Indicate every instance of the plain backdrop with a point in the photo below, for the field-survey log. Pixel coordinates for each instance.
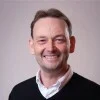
(16, 62)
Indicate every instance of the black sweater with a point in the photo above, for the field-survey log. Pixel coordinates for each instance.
(78, 88)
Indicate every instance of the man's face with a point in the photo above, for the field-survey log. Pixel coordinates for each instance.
(50, 43)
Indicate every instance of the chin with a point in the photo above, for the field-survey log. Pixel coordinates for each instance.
(51, 67)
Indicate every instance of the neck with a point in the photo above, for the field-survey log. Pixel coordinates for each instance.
(48, 79)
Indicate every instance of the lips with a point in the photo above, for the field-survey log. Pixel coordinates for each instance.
(51, 57)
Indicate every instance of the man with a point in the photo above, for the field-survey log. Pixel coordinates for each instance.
(51, 42)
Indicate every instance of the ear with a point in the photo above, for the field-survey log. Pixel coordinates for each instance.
(72, 44)
(31, 46)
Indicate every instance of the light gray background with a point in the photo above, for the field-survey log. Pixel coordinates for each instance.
(17, 64)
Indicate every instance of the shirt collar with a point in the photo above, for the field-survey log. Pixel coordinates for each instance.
(61, 81)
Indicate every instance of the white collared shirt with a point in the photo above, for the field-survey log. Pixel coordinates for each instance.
(49, 92)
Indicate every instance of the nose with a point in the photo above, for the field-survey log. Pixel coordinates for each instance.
(51, 46)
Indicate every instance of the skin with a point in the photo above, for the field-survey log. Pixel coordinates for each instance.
(51, 45)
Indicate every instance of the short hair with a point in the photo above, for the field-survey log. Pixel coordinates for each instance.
(55, 13)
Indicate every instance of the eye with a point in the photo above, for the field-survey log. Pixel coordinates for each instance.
(41, 41)
(60, 40)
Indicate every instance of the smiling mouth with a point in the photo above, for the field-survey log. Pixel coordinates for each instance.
(51, 57)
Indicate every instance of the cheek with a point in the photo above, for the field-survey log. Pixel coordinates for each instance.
(63, 48)
(38, 49)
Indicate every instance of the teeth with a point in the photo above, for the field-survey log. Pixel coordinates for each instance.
(51, 57)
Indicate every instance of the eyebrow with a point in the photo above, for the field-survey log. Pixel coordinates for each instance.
(41, 37)
(59, 36)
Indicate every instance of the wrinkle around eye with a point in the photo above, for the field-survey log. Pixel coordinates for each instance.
(60, 40)
(41, 41)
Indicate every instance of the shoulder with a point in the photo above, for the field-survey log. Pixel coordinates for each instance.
(24, 90)
(83, 87)
(84, 84)
(80, 79)
(25, 85)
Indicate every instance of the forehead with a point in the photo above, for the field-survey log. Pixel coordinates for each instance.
(49, 26)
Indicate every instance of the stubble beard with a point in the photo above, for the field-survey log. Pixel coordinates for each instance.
(53, 68)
